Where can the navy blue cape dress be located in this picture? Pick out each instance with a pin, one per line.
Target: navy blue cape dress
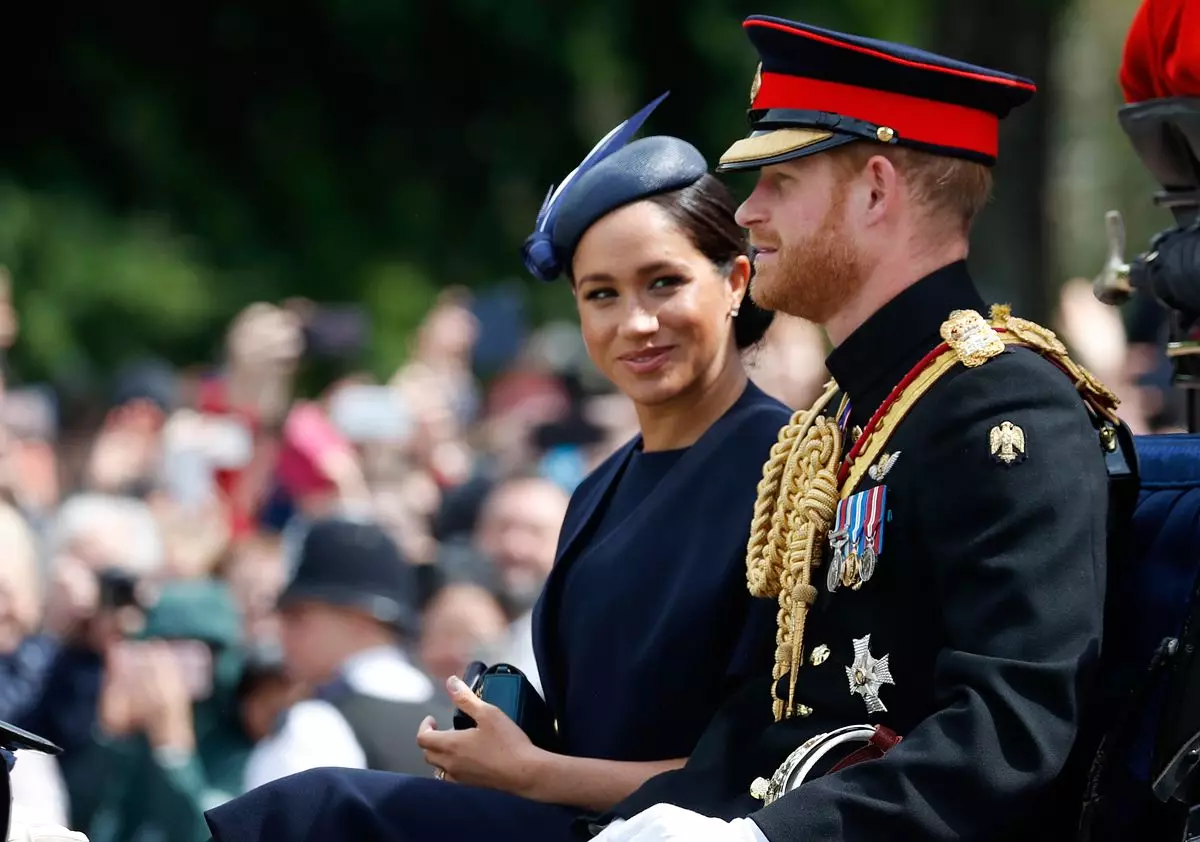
(644, 627)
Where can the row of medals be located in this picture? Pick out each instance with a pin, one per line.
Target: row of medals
(849, 569)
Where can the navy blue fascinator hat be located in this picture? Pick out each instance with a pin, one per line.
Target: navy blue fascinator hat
(615, 173)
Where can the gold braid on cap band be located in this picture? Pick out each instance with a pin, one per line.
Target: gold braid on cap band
(796, 500)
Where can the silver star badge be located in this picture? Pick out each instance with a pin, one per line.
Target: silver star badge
(867, 675)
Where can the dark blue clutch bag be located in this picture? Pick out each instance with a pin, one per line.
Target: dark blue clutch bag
(507, 688)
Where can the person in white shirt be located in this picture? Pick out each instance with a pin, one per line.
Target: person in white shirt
(345, 616)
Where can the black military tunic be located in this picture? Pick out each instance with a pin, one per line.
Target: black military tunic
(986, 600)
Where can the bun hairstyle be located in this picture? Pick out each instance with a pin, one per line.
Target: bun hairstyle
(704, 210)
(665, 170)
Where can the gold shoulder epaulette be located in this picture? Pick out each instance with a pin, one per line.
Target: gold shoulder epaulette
(971, 338)
(1016, 331)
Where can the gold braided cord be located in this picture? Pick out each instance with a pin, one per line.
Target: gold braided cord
(792, 514)
(812, 500)
(764, 547)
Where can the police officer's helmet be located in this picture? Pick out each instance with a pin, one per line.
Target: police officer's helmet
(355, 563)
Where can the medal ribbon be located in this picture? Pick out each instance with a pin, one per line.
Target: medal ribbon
(858, 513)
(839, 520)
(876, 507)
(844, 417)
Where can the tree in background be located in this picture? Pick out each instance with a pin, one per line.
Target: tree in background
(172, 163)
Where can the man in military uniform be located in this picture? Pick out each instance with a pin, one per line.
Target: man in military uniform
(934, 529)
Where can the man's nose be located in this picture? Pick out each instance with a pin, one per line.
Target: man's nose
(751, 212)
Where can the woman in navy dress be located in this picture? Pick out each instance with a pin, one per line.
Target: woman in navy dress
(645, 623)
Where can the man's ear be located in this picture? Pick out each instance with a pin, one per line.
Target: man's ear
(884, 186)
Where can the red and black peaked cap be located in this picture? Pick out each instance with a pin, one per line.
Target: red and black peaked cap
(816, 89)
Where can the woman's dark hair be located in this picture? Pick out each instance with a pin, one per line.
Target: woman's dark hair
(705, 212)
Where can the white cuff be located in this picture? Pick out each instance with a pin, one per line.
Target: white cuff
(25, 828)
(752, 831)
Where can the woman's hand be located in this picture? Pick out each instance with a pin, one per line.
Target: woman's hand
(495, 754)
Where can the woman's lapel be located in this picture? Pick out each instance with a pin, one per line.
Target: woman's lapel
(545, 613)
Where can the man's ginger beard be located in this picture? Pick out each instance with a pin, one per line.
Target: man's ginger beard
(813, 277)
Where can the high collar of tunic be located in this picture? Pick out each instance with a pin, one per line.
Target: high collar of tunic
(876, 357)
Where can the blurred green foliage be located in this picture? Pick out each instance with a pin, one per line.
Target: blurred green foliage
(179, 161)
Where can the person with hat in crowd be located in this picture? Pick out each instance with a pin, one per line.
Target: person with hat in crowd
(346, 615)
(644, 624)
(944, 574)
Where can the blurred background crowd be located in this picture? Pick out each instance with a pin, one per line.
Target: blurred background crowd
(231, 312)
(148, 538)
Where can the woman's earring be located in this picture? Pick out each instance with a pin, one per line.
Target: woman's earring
(734, 311)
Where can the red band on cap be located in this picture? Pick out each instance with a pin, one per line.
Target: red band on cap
(912, 118)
